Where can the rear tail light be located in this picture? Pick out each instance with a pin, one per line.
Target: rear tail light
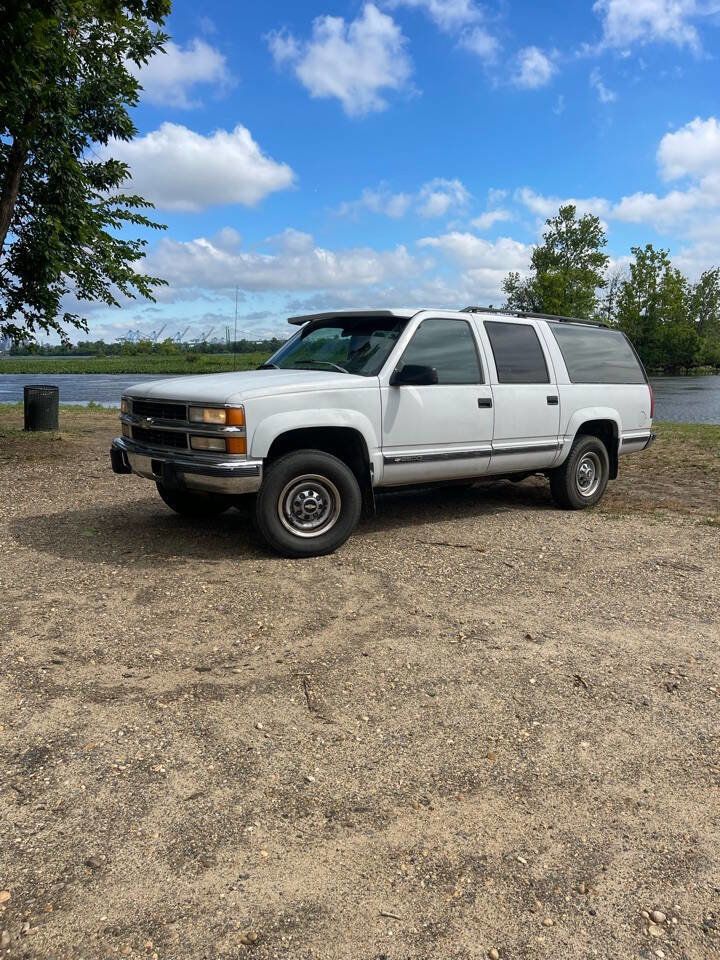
(652, 402)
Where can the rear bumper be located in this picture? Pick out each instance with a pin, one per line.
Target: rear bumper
(636, 441)
(180, 472)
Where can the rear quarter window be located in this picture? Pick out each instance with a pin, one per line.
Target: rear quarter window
(596, 355)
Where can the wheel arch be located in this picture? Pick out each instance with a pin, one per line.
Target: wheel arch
(601, 422)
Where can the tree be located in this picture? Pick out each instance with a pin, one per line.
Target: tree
(568, 268)
(653, 310)
(65, 89)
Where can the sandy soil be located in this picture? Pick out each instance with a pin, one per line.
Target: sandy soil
(484, 725)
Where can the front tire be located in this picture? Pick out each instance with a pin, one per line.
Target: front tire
(189, 504)
(581, 481)
(308, 505)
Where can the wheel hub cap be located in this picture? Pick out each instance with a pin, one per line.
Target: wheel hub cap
(309, 506)
(588, 474)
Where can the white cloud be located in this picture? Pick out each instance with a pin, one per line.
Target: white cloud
(353, 62)
(543, 206)
(628, 22)
(436, 198)
(604, 94)
(179, 169)
(692, 151)
(449, 15)
(534, 69)
(440, 196)
(488, 219)
(482, 43)
(169, 77)
(295, 263)
(484, 264)
(461, 18)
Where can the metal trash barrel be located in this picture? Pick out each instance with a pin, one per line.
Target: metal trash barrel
(41, 406)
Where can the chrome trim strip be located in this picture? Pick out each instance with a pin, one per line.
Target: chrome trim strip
(176, 426)
(396, 460)
(644, 436)
(184, 458)
(527, 448)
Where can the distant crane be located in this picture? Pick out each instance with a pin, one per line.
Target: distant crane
(155, 335)
(178, 338)
(132, 336)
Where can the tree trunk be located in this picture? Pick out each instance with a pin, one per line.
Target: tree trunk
(11, 186)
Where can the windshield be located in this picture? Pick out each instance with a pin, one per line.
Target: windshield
(358, 346)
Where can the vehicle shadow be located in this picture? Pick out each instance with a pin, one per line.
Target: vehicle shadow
(143, 533)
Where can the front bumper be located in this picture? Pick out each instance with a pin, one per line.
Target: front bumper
(177, 471)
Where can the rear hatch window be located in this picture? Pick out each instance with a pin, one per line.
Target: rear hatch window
(597, 355)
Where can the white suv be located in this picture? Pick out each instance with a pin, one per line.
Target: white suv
(362, 400)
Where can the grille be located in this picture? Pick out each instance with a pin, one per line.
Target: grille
(160, 438)
(163, 411)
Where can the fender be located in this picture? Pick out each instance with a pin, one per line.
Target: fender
(271, 427)
(583, 416)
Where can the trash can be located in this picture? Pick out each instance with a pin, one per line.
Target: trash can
(41, 403)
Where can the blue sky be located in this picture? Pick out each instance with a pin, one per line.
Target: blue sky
(326, 154)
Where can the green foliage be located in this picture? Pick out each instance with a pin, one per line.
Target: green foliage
(674, 324)
(568, 268)
(148, 363)
(65, 89)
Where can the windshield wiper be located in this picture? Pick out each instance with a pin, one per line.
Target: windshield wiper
(268, 366)
(322, 363)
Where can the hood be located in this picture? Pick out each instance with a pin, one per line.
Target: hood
(237, 387)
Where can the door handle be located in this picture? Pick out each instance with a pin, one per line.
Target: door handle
(485, 402)
(553, 401)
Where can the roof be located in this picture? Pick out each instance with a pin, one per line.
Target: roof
(401, 314)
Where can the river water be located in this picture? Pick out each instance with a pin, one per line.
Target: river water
(682, 399)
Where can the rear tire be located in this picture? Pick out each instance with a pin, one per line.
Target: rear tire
(309, 504)
(582, 479)
(189, 504)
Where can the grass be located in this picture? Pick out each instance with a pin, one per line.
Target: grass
(181, 363)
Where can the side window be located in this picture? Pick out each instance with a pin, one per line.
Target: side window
(595, 355)
(518, 355)
(448, 346)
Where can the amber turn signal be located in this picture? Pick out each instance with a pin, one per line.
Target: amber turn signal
(236, 445)
(235, 416)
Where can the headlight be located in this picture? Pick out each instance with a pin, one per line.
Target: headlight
(208, 443)
(218, 416)
(213, 415)
(125, 405)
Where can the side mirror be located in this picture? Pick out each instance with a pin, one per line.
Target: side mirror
(414, 375)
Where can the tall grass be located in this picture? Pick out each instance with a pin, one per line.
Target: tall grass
(181, 363)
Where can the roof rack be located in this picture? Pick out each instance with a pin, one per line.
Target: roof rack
(528, 315)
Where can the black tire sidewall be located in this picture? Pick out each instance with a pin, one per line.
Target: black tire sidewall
(279, 474)
(564, 485)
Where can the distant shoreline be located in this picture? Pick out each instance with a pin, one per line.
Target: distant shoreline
(183, 363)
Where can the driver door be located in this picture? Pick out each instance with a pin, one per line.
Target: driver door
(443, 430)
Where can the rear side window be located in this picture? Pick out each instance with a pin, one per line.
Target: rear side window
(594, 355)
(518, 355)
(448, 346)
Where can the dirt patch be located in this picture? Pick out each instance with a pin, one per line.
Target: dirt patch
(484, 724)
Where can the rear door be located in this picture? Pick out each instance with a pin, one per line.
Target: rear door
(441, 431)
(527, 401)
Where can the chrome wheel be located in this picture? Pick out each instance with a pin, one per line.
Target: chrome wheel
(309, 506)
(588, 474)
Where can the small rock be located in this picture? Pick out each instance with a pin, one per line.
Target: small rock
(644, 914)
(548, 922)
(249, 937)
(4, 896)
(259, 726)
(655, 931)
(4, 939)
(493, 954)
(657, 916)
(95, 863)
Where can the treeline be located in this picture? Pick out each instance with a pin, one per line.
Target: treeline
(673, 322)
(145, 347)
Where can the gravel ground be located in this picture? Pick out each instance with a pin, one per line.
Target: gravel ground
(485, 728)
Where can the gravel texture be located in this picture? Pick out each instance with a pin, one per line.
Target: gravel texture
(485, 728)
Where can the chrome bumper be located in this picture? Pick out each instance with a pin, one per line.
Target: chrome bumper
(179, 471)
